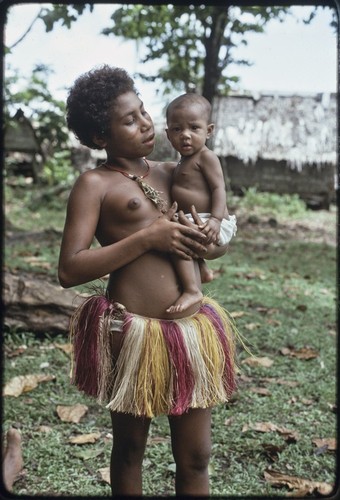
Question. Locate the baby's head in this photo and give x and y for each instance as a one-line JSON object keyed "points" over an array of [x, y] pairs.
{"points": [[90, 100], [188, 102]]}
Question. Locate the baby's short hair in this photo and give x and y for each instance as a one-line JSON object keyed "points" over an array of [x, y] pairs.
{"points": [[90, 100], [188, 99]]}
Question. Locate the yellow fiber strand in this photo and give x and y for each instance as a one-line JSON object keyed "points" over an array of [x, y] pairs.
{"points": [[213, 357], [152, 390]]}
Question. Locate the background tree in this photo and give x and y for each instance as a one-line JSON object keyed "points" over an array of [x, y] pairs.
{"points": [[47, 114], [196, 42]]}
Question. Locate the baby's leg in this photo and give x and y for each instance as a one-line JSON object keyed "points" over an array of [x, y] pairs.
{"points": [[191, 294], [207, 274]]}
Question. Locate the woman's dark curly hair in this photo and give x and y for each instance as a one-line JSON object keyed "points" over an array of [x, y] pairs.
{"points": [[90, 99]]}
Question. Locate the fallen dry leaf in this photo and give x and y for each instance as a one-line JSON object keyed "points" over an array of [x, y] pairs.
{"points": [[92, 437], [266, 310], [16, 352], [256, 274], [262, 391], [25, 383], [158, 439], [45, 428], [287, 434], [329, 443], [237, 314], [87, 453], [280, 381], [229, 421], [252, 326], [71, 413], [260, 427], [273, 322], [252, 361], [302, 353], [302, 487], [67, 348], [105, 474]]}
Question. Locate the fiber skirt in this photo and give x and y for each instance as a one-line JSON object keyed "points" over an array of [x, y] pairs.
{"points": [[163, 366]]}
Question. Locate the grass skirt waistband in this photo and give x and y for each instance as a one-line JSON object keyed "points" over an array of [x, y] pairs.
{"points": [[163, 367]]}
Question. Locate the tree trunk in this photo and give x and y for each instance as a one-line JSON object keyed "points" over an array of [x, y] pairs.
{"points": [[212, 70]]}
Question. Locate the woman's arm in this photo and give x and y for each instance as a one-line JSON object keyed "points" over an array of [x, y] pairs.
{"points": [[78, 263]]}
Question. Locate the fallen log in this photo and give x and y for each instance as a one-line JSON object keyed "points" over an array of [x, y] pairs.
{"points": [[32, 303]]}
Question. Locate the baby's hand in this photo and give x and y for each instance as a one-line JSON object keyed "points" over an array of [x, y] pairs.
{"points": [[211, 229]]}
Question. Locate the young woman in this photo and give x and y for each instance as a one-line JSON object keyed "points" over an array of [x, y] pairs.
{"points": [[129, 352]]}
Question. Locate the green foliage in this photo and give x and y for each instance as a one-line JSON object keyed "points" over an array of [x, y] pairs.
{"points": [[66, 14], [196, 42], [32, 96], [28, 208], [273, 204], [58, 169]]}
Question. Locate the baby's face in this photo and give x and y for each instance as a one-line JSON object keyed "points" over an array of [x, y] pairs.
{"points": [[188, 128]]}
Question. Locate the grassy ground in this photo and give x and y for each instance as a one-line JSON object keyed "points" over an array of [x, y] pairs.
{"points": [[278, 280]]}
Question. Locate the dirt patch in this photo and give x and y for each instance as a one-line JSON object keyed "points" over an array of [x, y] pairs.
{"points": [[315, 227]]}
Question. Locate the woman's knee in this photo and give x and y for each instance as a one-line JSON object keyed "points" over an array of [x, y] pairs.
{"points": [[129, 450], [195, 459], [129, 438]]}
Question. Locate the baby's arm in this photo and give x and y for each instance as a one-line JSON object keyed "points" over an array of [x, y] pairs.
{"points": [[212, 171]]}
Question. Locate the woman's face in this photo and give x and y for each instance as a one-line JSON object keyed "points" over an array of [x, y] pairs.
{"points": [[132, 132]]}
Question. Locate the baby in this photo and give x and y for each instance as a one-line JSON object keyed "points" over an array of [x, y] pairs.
{"points": [[198, 180]]}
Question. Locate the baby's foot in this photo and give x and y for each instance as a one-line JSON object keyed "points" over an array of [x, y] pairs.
{"points": [[207, 274], [186, 300], [12, 462]]}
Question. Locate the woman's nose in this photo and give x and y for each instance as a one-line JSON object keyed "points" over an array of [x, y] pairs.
{"points": [[146, 123]]}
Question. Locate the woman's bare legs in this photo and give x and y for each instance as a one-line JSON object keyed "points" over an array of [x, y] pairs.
{"points": [[129, 440], [191, 447]]}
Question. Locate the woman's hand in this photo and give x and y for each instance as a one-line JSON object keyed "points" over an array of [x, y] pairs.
{"points": [[167, 235], [212, 251]]}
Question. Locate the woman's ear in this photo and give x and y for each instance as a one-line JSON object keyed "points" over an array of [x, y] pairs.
{"points": [[99, 141]]}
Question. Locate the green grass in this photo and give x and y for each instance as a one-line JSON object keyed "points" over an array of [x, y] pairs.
{"points": [[282, 287]]}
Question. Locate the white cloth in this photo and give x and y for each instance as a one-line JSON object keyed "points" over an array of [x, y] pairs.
{"points": [[228, 227]]}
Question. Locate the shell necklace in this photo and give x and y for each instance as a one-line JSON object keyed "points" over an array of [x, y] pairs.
{"points": [[149, 192]]}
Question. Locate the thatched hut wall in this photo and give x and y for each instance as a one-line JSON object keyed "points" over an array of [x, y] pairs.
{"points": [[279, 143], [299, 129]]}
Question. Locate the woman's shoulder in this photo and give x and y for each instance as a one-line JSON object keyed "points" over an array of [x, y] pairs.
{"points": [[92, 180], [165, 166]]}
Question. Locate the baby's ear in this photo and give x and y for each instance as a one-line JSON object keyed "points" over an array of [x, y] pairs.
{"points": [[210, 129], [99, 141], [167, 133]]}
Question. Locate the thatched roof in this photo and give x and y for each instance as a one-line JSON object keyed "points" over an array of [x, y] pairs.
{"points": [[20, 135], [300, 129]]}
